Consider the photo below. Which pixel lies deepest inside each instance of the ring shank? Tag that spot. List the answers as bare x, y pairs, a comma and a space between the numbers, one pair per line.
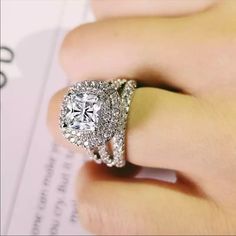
117, 155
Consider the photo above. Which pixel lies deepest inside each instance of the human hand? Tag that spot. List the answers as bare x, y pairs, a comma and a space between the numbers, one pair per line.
185, 122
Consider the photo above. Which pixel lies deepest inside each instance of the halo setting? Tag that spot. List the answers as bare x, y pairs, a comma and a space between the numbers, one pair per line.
93, 113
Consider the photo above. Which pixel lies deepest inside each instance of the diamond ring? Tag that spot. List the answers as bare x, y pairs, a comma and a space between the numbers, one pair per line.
94, 115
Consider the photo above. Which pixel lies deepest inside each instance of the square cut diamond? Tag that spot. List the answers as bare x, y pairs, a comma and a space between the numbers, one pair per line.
82, 112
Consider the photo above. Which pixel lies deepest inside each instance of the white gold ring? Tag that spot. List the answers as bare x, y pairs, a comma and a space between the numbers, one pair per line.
94, 115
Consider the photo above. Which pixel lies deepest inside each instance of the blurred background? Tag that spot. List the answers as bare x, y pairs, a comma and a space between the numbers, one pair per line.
37, 176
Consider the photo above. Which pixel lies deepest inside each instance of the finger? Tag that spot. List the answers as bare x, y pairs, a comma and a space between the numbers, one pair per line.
154, 51
178, 132
108, 205
105, 8
165, 129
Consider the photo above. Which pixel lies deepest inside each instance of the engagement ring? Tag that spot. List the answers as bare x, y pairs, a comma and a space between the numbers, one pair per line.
94, 115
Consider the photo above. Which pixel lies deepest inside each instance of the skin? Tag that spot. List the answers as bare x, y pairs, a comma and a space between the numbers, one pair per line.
183, 117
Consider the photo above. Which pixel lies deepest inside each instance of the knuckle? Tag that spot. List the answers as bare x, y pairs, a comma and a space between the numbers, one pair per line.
92, 217
85, 216
73, 45
94, 211
66, 50
89, 207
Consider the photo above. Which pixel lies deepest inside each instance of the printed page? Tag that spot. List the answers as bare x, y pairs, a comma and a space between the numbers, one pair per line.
37, 175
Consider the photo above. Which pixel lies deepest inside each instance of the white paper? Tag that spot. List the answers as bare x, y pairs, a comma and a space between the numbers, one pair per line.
37, 175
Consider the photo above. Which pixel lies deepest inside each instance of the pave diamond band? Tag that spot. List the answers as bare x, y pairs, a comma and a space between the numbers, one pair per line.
94, 115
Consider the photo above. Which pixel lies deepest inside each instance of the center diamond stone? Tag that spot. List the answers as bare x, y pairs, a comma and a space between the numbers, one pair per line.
82, 112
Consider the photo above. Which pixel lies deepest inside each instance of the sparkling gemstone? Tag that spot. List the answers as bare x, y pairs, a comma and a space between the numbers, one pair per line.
82, 112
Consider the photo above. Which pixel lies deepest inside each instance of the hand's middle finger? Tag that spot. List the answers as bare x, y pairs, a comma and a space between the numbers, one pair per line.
180, 52
105, 8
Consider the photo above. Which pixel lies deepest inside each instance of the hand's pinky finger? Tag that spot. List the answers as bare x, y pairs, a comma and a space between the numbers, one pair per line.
125, 206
